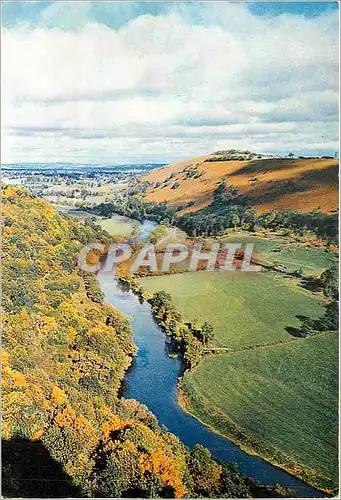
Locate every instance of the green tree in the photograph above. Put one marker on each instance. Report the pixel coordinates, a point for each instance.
(330, 282)
(207, 332)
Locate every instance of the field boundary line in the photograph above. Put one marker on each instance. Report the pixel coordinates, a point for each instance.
(228, 350)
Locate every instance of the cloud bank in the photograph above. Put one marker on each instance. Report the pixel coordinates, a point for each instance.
(167, 84)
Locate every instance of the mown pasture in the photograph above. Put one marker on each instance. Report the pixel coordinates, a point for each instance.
(280, 402)
(118, 225)
(289, 257)
(244, 308)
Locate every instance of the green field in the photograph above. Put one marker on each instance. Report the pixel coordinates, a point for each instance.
(290, 257)
(244, 308)
(118, 225)
(279, 401)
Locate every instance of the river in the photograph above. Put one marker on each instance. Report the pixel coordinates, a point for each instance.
(152, 380)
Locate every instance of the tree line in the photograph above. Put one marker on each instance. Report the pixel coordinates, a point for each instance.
(228, 210)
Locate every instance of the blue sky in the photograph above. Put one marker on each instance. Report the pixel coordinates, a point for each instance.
(141, 81)
(115, 16)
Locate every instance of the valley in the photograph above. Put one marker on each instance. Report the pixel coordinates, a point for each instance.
(170, 249)
(271, 340)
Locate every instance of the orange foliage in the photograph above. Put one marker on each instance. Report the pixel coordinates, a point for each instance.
(37, 435)
(68, 418)
(165, 468)
(92, 258)
(114, 424)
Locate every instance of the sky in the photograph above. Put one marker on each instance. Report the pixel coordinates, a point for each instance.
(134, 82)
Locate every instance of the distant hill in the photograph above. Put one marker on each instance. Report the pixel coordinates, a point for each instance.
(271, 183)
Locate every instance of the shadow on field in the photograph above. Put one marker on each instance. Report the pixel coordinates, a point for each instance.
(298, 332)
(311, 284)
(295, 332)
(28, 471)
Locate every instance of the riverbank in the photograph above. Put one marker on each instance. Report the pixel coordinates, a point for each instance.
(298, 434)
(168, 319)
(152, 380)
(194, 397)
(187, 405)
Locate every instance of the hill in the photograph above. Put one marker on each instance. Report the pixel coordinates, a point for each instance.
(270, 183)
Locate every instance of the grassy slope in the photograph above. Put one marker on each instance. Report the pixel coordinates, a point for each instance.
(285, 397)
(245, 309)
(271, 184)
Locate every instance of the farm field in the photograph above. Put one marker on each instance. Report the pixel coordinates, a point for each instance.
(117, 225)
(291, 257)
(244, 308)
(280, 402)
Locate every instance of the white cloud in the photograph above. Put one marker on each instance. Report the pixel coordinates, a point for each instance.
(187, 82)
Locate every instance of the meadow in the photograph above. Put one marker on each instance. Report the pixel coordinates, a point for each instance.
(280, 402)
(275, 393)
(244, 308)
(290, 257)
(118, 225)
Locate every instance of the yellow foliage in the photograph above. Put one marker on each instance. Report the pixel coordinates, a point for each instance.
(7, 429)
(37, 395)
(48, 211)
(10, 378)
(129, 446)
(18, 379)
(71, 335)
(12, 403)
(4, 358)
(79, 424)
(165, 468)
(58, 396)
(66, 417)
(7, 231)
(105, 410)
(114, 424)
(9, 191)
(24, 316)
(50, 324)
(56, 314)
